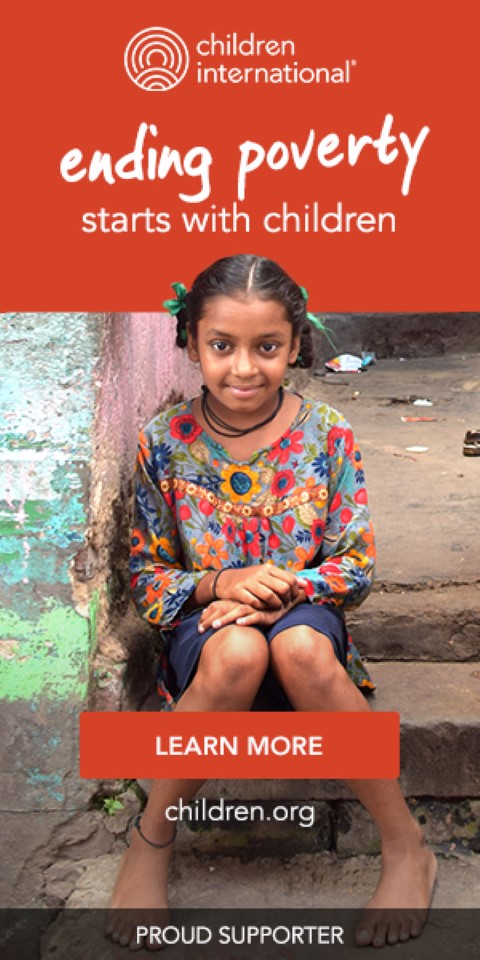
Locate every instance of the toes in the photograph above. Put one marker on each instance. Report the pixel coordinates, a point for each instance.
(112, 922)
(370, 927)
(363, 936)
(393, 932)
(153, 945)
(378, 928)
(371, 932)
(380, 934)
(365, 930)
(404, 929)
(122, 931)
(135, 945)
(417, 920)
(125, 933)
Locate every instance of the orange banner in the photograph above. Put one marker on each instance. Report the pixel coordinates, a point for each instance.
(141, 142)
(240, 745)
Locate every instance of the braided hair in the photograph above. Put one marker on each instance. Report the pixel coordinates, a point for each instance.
(245, 274)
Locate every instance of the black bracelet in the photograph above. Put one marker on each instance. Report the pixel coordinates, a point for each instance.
(214, 583)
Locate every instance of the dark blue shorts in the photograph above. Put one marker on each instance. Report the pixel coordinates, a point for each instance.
(185, 643)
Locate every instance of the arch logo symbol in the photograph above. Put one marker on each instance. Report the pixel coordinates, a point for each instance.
(156, 59)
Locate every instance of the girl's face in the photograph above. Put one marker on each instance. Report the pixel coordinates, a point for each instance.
(243, 346)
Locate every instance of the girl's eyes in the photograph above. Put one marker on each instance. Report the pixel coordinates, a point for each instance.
(221, 346)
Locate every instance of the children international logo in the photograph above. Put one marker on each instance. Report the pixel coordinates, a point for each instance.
(156, 59)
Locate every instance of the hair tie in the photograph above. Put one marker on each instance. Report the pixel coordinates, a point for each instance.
(318, 324)
(175, 306)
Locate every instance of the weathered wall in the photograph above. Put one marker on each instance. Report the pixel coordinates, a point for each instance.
(46, 414)
(74, 390)
(140, 372)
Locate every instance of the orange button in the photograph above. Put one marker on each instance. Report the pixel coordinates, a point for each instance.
(240, 745)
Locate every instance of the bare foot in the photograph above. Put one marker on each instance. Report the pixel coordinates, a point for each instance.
(140, 893)
(399, 907)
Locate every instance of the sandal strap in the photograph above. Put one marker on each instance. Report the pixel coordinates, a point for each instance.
(158, 846)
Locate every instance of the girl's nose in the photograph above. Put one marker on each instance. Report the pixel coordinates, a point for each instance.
(243, 363)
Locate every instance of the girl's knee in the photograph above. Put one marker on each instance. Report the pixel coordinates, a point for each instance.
(305, 651)
(235, 655)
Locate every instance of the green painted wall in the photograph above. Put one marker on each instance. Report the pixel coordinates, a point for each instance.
(47, 405)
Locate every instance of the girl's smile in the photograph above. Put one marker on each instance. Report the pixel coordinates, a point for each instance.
(244, 346)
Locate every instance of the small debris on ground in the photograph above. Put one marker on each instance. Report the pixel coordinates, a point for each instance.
(419, 419)
(349, 363)
(411, 399)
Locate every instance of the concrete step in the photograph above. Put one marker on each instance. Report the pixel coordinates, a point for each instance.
(236, 896)
(319, 880)
(288, 827)
(439, 706)
(423, 504)
(433, 624)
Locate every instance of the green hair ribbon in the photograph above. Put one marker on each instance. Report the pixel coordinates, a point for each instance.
(174, 306)
(316, 322)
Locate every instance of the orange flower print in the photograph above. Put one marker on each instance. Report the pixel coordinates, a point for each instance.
(360, 558)
(240, 483)
(212, 552)
(154, 613)
(368, 539)
(154, 592)
(143, 449)
(153, 597)
(161, 549)
(137, 542)
(304, 557)
(337, 584)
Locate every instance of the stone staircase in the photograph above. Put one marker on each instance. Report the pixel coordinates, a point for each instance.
(419, 632)
(420, 629)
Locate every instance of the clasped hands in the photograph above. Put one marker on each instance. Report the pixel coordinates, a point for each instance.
(260, 594)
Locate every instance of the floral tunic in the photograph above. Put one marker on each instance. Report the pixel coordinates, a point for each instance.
(300, 504)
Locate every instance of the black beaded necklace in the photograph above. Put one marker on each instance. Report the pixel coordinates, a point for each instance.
(227, 429)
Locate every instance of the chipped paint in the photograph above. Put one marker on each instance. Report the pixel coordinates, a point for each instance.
(47, 407)
(51, 655)
(48, 782)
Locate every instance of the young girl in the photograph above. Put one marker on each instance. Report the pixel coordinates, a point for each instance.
(251, 536)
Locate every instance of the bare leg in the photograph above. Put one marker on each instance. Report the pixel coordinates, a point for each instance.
(230, 670)
(313, 679)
